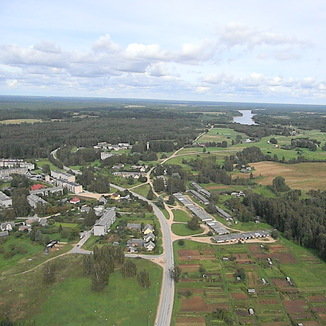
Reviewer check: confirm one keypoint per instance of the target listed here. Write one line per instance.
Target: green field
(142, 190)
(183, 230)
(70, 301)
(123, 302)
(275, 303)
(181, 216)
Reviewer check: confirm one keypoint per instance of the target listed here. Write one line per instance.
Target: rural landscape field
(162, 163)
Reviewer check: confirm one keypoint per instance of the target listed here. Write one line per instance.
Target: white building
(5, 201)
(102, 226)
(63, 175)
(16, 163)
(33, 200)
(73, 187)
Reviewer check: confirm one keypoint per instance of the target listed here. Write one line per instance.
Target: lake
(245, 119)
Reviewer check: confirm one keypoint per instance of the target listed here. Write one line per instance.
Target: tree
(274, 234)
(46, 169)
(273, 140)
(175, 273)
(150, 195)
(49, 273)
(99, 276)
(90, 218)
(280, 185)
(143, 279)
(193, 224)
(129, 269)
(19, 202)
(171, 200)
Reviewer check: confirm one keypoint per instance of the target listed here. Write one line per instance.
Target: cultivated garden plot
(223, 283)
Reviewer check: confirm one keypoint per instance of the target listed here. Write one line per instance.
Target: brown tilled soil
(295, 306)
(239, 296)
(190, 321)
(189, 268)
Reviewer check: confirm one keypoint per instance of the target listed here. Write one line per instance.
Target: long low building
(200, 197)
(201, 190)
(232, 237)
(46, 191)
(5, 200)
(216, 226)
(102, 226)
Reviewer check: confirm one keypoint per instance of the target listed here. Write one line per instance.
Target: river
(245, 119)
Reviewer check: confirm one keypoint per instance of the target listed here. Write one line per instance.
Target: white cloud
(12, 83)
(236, 34)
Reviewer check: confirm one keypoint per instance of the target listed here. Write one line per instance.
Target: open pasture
(304, 176)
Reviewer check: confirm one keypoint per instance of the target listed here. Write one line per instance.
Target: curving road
(164, 311)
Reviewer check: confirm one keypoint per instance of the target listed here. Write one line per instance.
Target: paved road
(164, 311)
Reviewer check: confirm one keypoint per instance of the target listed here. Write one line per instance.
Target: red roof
(37, 186)
(75, 200)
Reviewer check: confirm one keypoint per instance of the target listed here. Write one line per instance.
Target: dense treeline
(39, 139)
(302, 221)
(296, 118)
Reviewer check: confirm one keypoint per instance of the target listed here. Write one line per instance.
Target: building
(149, 246)
(7, 226)
(46, 191)
(125, 174)
(134, 226)
(201, 190)
(5, 200)
(63, 175)
(102, 226)
(148, 228)
(73, 187)
(200, 197)
(4, 234)
(34, 200)
(6, 173)
(105, 155)
(37, 186)
(16, 163)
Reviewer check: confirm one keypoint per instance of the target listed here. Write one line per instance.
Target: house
(134, 226)
(34, 200)
(115, 196)
(37, 186)
(148, 228)
(5, 200)
(102, 226)
(85, 209)
(4, 234)
(135, 243)
(149, 246)
(251, 291)
(7, 226)
(26, 228)
(149, 237)
(40, 221)
(74, 201)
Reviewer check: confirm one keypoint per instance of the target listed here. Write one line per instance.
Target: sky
(210, 50)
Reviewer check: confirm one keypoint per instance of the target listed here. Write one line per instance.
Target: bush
(181, 242)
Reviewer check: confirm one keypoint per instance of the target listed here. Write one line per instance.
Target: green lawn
(142, 190)
(183, 230)
(71, 302)
(181, 216)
